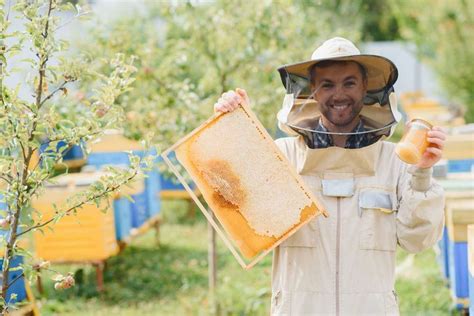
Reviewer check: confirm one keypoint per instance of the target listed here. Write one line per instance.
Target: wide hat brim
(381, 72)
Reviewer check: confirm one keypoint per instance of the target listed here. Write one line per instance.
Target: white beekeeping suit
(345, 264)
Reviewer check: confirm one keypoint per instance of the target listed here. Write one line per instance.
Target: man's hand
(230, 100)
(434, 152)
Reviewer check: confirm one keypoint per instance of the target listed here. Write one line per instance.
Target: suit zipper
(338, 249)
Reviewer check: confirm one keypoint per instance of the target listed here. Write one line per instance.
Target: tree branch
(53, 93)
(46, 28)
(72, 19)
(16, 279)
(6, 179)
(80, 204)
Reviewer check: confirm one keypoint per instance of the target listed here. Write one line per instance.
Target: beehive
(72, 158)
(87, 236)
(18, 287)
(111, 149)
(256, 195)
(458, 187)
(171, 189)
(416, 105)
(443, 254)
(123, 218)
(459, 147)
(470, 242)
(460, 213)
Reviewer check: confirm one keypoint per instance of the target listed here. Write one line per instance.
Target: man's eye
(327, 85)
(350, 83)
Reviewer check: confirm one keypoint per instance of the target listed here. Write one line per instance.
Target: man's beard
(331, 115)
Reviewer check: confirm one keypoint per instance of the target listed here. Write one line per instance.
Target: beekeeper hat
(380, 99)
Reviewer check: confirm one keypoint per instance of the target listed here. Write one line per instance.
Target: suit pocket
(378, 221)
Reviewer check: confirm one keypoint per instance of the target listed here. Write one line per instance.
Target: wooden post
(212, 265)
(157, 232)
(99, 271)
(39, 283)
(191, 209)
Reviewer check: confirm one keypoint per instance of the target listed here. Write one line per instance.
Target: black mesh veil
(300, 113)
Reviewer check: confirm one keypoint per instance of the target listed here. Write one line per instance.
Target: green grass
(172, 279)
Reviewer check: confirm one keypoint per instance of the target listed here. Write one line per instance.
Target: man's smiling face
(341, 88)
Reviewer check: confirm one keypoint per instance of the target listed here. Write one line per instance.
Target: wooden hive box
(470, 251)
(87, 236)
(18, 287)
(112, 149)
(257, 197)
(459, 147)
(459, 214)
(458, 187)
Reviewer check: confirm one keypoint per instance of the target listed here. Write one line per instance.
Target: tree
(188, 54)
(50, 116)
(444, 38)
(379, 23)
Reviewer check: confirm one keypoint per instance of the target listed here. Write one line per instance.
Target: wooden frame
(217, 226)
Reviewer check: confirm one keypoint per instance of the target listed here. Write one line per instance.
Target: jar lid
(419, 123)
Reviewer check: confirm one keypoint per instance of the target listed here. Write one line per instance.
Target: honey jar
(414, 142)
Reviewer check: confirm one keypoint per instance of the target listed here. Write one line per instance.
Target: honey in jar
(414, 142)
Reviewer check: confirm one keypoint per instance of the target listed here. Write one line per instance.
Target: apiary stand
(152, 223)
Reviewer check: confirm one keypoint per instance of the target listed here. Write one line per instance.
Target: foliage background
(444, 39)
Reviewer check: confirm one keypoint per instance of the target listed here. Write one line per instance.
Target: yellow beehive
(460, 146)
(459, 214)
(87, 236)
(417, 106)
(113, 141)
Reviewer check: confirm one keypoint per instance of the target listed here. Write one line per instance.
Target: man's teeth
(341, 107)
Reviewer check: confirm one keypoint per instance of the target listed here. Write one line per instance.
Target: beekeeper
(339, 108)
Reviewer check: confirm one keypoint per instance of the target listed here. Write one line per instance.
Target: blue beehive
(111, 151)
(443, 256)
(146, 203)
(460, 165)
(123, 218)
(170, 183)
(458, 272)
(471, 293)
(4, 207)
(75, 152)
(470, 252)
(139, 209)
(459, 214)
(152, 180)
(18, 287)
(153, 186)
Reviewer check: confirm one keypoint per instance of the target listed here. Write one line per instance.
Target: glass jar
(414, 142)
